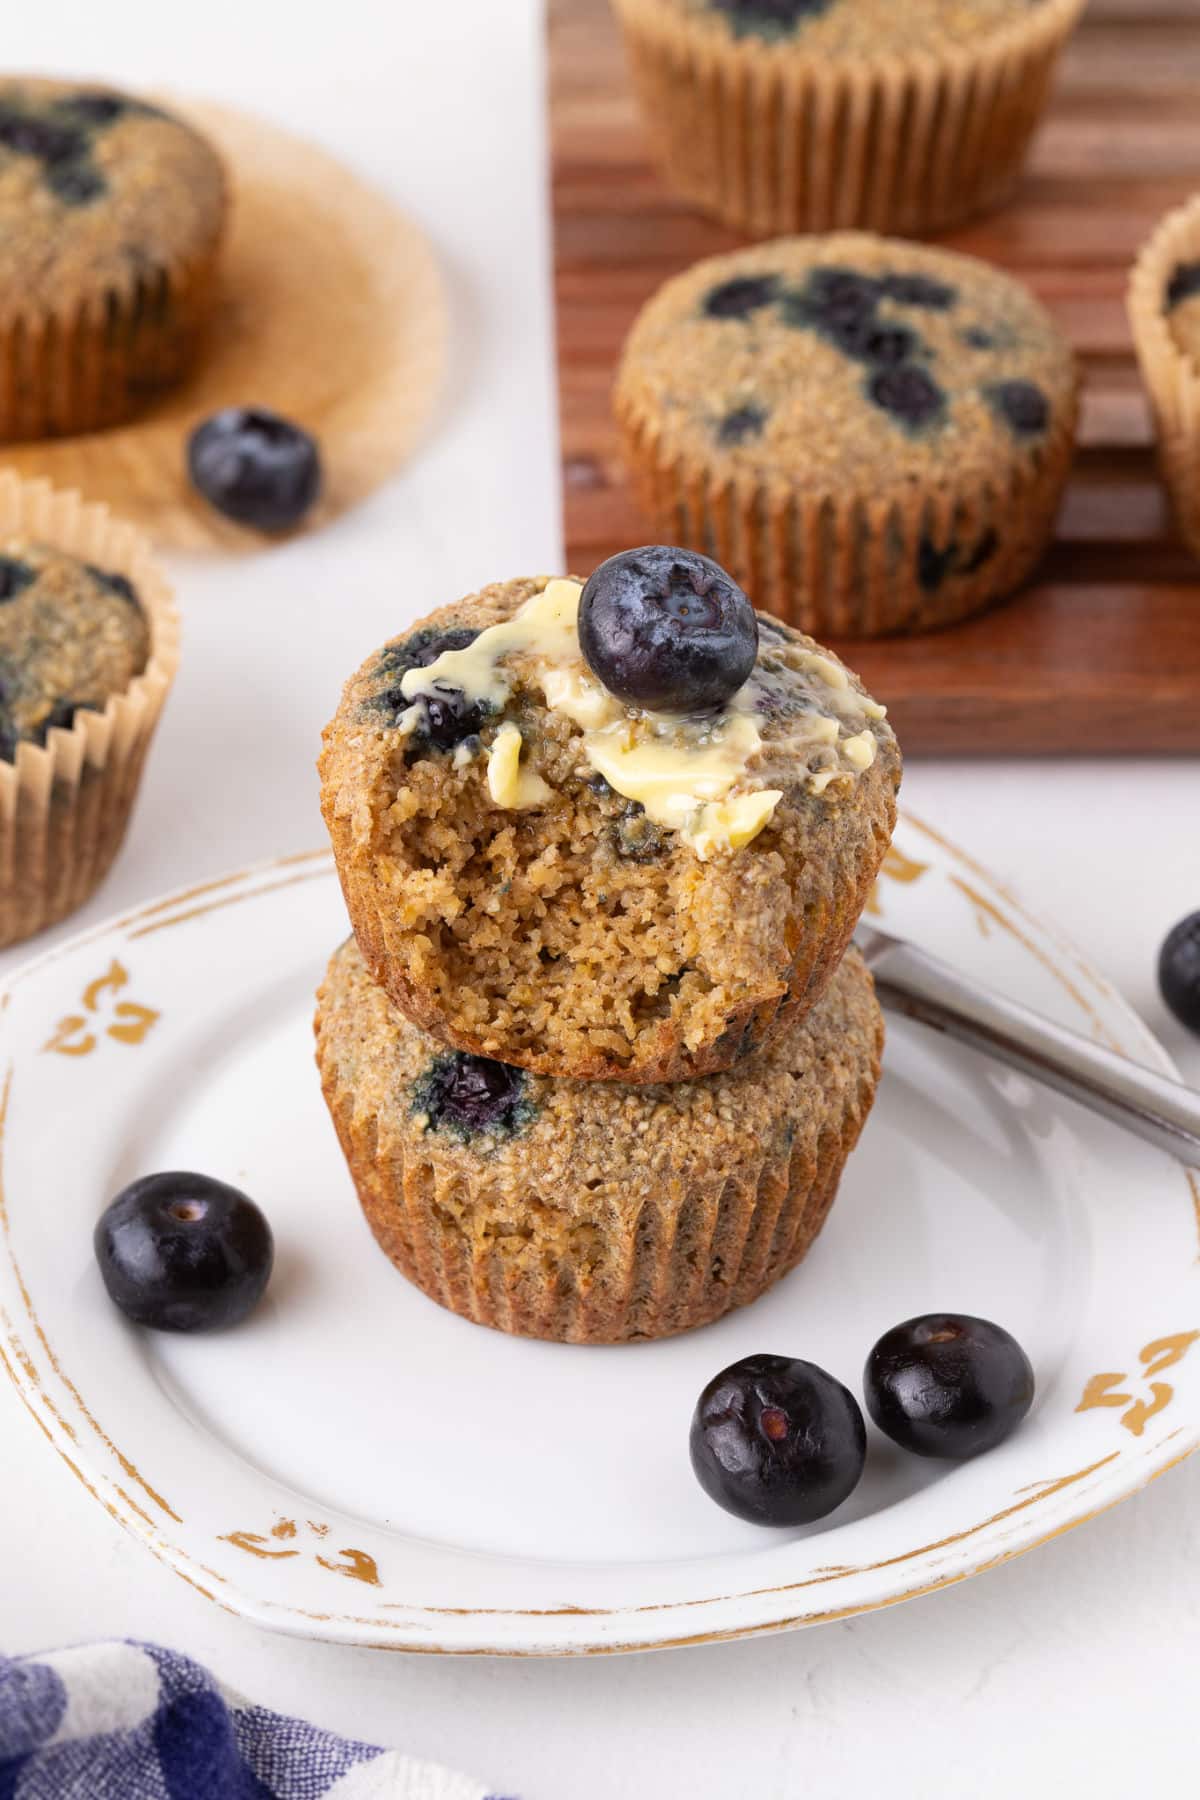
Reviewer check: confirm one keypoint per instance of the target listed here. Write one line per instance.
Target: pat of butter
(859, 751)
(545, 627)
(729, 824)
(508, 783)
(671, 778)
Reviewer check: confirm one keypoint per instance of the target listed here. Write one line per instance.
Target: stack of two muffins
(598, 1050)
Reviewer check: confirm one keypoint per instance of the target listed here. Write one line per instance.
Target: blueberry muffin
(872, 436)
(111, 215)
(88, 649)
(605, 832)
(1164, 313)
(593, 1212)
(805, 115)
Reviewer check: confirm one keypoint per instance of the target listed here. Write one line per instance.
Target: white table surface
(1073, 1666)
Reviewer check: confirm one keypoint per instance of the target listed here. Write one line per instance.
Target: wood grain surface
(1102, 653)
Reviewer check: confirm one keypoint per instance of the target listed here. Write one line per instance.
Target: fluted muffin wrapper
(91, 365)
(1171, 376)
(773, 139)
(845, 562)
(696, 1250)
(64, 805)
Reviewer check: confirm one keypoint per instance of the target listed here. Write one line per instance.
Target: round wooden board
(331, 311)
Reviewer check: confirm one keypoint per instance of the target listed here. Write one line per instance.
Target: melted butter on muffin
(703, 776)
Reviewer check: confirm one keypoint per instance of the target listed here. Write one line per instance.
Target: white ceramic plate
(355, 1464)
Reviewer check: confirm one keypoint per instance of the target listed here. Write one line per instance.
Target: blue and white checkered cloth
(124, 1721)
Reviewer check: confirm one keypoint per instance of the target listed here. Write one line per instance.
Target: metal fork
(922, 987)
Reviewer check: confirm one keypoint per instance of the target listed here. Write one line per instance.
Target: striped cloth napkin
(126, 1721)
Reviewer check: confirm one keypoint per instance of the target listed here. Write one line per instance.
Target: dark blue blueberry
(976, 338)
(15, 577)
(947, 1384)
(908, 394)
(1022, 405)
(769, 18)
(77, 182)
(738, 298)
(472, 1096)
(255, 467)
(842, 305)
(667, 629)
(1184, 282)
(933, 565)
(918, 290)
(114, 583)
(29, 135)
(182, 1252)
(777, 1441)
(423, 648)
(448, 718)
(1179, 971)
(739, 426)
(93, 108)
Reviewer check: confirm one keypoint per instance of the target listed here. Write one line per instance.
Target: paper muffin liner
(773, 139)
(74, 371)
(1170, 374)
(64, 806)
(699, 1249)
(846, 563)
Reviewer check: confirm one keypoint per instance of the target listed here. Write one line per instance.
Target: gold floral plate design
(355, 1464)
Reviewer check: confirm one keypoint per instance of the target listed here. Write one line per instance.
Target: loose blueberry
(907, 393)
(1022, 405)
(113, 582)
(947, 1384)
(740, 426)
(667, 629)
(738, 298)
(469, 1096)
(182, 1252)
(777, 1441)
(15, 577)
(1179, 971)
(1184, 282)
(918, 290)
(255, 467)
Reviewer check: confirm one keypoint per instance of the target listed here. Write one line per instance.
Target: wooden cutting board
(1102, 653)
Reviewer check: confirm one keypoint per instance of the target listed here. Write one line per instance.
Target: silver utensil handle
(1162, 1111)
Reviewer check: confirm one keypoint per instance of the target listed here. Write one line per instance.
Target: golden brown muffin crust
(597, 1212)
(109, 192)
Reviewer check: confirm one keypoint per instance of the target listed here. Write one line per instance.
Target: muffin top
(98, 191)
(1181, 303)
(588, 1141)
(861, 29)
(71, 635)
(499, 685)
(847, 361)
